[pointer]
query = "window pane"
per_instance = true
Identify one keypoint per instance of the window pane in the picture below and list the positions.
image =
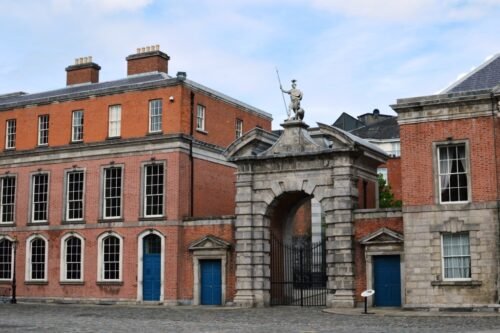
(73, 258)
(453, 173)
(74, 195)
(111, 258)
(112, 192)
(43, 130)
(155, 115)
(77, 126)
(40, 197)
(7, 200)
(456, 256)
(153, 189)
(38, 259)
(5, 259)
(10, 134)
(114, 120)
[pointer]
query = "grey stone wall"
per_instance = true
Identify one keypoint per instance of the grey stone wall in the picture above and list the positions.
(424, 283)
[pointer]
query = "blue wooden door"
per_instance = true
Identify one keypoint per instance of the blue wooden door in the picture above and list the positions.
(151, 269)
(211, 282)
(387, 280)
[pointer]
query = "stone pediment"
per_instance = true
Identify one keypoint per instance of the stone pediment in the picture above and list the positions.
(251, 144)
(209, 242)
(382, 236)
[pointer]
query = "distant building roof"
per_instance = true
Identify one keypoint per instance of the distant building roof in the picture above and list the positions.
(486, 76)
(347, 122)
(382, 130)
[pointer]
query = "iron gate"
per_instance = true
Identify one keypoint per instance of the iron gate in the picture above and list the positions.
(298, 272)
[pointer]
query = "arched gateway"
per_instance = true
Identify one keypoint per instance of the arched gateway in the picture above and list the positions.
(276, 174)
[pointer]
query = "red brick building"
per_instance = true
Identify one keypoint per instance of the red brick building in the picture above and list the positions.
(109, 188)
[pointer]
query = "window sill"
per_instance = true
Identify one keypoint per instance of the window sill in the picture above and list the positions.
(471, 283)
(201, 131)
(9, 149)
(154, 133)
(66, 222)
(6, 282)
(109, 283)
(7, 224)
(71, 283)
(31, 224)
(153, 218)
(36, 282)
(42, 146)
(76, 142)
(114, 220)
(111, 138)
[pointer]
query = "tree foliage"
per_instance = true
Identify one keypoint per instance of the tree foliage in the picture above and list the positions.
(386, 197)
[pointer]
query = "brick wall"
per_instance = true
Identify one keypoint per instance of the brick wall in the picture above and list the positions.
(362, 228)
(394, 176)
(417, 163)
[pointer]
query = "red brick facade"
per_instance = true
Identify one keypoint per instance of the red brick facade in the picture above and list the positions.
(198, 182)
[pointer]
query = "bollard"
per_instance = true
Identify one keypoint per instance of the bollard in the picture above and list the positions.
(365, 294)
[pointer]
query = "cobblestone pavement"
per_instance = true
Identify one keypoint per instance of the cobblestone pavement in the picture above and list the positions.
(106, 318)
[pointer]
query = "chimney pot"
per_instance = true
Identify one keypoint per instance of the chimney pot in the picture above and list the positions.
(181, 76)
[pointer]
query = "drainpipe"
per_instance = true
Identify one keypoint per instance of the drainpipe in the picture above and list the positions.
(493, 108)
(191, 160)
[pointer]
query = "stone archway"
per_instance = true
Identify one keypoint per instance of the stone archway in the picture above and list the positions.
(323, 163)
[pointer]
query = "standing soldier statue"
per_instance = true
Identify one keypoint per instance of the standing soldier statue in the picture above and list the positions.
(295, 98)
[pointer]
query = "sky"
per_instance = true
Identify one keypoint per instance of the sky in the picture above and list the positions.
(347, 56)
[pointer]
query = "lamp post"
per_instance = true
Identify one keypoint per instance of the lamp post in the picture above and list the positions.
(13, 300)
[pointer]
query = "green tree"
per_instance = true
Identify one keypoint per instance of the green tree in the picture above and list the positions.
(385, 195)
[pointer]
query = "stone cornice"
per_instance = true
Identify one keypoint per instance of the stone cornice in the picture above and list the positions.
(445, 107)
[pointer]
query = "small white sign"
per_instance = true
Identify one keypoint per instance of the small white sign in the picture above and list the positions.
(367, 293)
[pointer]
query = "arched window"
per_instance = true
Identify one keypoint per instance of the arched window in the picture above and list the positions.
(72, 246)
(6, 259)
(110, 258)
(36, 259)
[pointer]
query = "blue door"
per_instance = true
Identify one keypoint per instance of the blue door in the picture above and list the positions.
(387, 280)
(151, 269)
(211, 283)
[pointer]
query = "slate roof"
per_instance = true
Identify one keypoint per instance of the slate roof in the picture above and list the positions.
(486, 76)
(135, 82)
(347, 122)
(384, 129)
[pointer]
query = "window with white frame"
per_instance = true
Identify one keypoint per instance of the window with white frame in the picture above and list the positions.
(6, 259)
(456, 256)
(155, 115)
(395, 149)
(7, 199)
(75, 180)
(153, 189)
(110, 258)
(43, 130)
(77, 126)
(72, 258)
(39, 197)
(453, 173)
(112, 192)
(239, 128)
(10, 134)
(200, 118)
(115, 118)
(36, 259)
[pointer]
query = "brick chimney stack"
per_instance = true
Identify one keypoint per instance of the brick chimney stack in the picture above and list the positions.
(147, 59)
(83, 71)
